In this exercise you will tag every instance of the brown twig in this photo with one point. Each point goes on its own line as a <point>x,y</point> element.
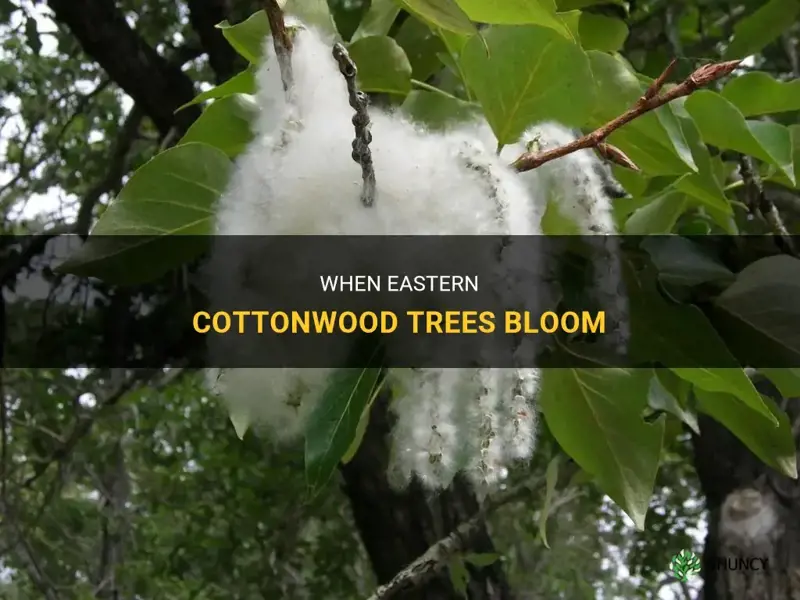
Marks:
<point>281,41</point>
<point>653,98</point>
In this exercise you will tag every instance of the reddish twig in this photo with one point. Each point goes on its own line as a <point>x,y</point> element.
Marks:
<point>652,98</point>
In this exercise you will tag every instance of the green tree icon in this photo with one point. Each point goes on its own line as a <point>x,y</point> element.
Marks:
<point>685,564</point>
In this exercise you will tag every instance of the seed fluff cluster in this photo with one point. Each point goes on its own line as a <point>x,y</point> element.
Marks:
<point>298,178</point>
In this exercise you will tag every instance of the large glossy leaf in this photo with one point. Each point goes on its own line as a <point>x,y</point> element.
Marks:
<point>758,29</point>
<point>669,393</point>
<point>786,380</point>
<point>758,93</point>
<point>514,12</point>
<point>249,37</point>
<point>333,425</point>
<point>225,124</point>
<point>734,382</point>
<point>680,337</point>
<point>243,83</point>
<point>771,440</point>
<point>382,65</point>
<point>654,141</point>
<point>421,45</point>
<point>438,111</point>
<point>702,186</point>
<point>599,32</point>
<point>659,215</point>
<point>525,78</point>
<point>722,125</point>
<point>595,415</point>
<point>762,310</point>
<point>445,14</point>
<point>681,261</point>
<point>156,221</point>
<point>378,19</point>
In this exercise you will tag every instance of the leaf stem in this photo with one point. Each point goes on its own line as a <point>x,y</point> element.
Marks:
<point>430,88</point>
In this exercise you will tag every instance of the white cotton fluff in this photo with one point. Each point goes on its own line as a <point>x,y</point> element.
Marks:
<point>574,183</point>
<point>298,178</point>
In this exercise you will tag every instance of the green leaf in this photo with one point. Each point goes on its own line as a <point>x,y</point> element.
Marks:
<point>362,425</point>
<point>382,65</point>
<point>659,215</point>
<point>315,13</point>
<point>763,307</point>
<point>702,186</point>
<point>248,38</point>
<point>572,21</point>
<point>459,576</point>
<point>438,110</point>
<point>565,5</point>
<point>594,415</point>
<point>555,222</point>
<point>772,444</point>
<point>243,83</point>
<point>722,125</point>
<point>599,32</point>
<point>225,124</point>
<point>680,336</point>
<point>482,560</point>
<point>333,424</point>
<point>378,20</point>
<point>528,73</point>
<point>757,93</point>
<point>669,393</point>
<point>421,46</point>
<point>653,141</point>
<point>755,31</point>
<point>786,380</point>
<point>551,479</point>
<point>445,14</point>
<point>514,12</point>
<point>156,221</point>
<point>32,35</point>
<point>681,261</point>
<point>731,381</point>
<point>241,423</point>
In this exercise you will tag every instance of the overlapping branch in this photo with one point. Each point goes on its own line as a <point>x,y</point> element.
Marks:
<point>652,99</point>
<point>437,556</point>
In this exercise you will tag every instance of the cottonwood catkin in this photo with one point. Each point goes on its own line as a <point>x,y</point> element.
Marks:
<point>298,178</point>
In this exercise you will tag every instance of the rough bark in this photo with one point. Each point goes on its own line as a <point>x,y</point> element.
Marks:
<point>396,528</point>
<point>204,15</point>
<point>754,513</point>
<point>156,85</point>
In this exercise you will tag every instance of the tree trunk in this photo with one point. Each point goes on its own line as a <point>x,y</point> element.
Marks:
<point>396,528</point>
<point>752,550</point>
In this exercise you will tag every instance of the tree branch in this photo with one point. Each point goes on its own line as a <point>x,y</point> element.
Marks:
<point>759,203</point>
<point>204,16</point>
<point>281,41</point>
<point>437,556</point>
<point>652,99</point>
<point>86,422</point>
<point>155,84</point>
<point>117,166</point>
